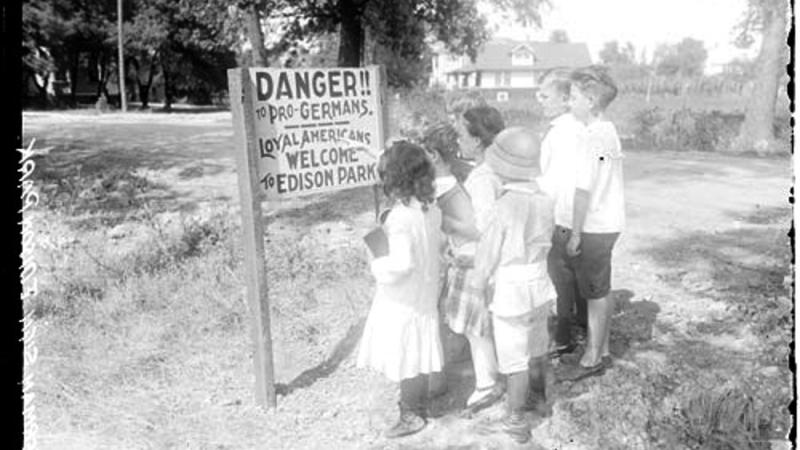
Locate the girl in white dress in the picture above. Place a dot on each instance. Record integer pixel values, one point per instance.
(401, 335)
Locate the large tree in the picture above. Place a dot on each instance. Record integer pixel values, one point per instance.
(61, 36)
(454, 22)
(395, 33)
(612, 54)
(769, 18)
(687, 58)
(188, 42)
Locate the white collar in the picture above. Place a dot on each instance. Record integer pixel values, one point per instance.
(444, 183)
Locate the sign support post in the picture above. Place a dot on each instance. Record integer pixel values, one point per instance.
(241, 99)
(298, 132)
(383, 111)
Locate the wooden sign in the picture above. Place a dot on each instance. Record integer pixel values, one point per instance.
(297, 132)
(316, 130)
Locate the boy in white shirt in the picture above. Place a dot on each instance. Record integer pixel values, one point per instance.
(564, 142)
(599, 211)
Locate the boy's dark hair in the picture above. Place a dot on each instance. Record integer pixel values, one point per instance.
(406, 172)
(484, 122)
(441, 138)
(464, 102)
(558, 77)
(595, 82)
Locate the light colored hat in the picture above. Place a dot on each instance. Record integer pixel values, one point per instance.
(514, 154)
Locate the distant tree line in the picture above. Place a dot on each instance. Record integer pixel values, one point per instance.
(185, 46)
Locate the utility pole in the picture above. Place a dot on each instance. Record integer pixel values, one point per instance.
(122, 99)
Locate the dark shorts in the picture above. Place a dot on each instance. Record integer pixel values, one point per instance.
(592, 267)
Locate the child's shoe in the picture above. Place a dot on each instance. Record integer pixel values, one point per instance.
(410, 422)
(517, 427)
(483, 398)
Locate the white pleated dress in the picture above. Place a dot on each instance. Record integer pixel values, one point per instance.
(401, 335)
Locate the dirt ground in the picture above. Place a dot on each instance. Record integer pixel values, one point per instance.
(706, 238)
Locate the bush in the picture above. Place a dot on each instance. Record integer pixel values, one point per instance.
(724, 420)
(412, 110)
(685, 129)
(81, 274)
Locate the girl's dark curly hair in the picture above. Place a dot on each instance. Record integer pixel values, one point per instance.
(484, 122)
(406, 172)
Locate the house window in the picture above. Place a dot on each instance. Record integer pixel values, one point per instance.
(502, 96)
(506, 78)
(498, 78)
(522, 57)
(465, 80)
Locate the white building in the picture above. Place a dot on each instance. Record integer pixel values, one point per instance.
(506, 67)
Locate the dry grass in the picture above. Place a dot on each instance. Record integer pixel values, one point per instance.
(726, 419)
(144, 334)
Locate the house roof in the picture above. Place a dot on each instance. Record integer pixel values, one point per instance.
(496, 55)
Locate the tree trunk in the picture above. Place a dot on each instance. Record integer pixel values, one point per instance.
(144, 89)
(167, 88)
(351, 33)
(42, 88)
(756, 133)
(74, 68)
(258, 51)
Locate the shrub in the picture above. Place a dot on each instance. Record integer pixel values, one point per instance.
(84, 272)
(107, 194)
(645, 122)
(685, 129)
(724, 420)
(412, 110)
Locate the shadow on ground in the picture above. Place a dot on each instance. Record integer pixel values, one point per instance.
(748, 268)
(340, 352)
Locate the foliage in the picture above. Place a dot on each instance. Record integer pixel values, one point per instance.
(559, 36)
(192, 43)
(724, 420)
(412, 110)
(612, 54)
(396, 31)
(755, 18)
(54, 32)
(685, 129)
(769, 18)
(686, 58)
(527, 12)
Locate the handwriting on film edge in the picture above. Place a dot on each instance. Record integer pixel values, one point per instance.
(30, 199)
(30, 351)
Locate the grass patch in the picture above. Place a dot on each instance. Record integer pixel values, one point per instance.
(725, 419)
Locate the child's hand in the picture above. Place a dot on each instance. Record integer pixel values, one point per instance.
(573, 245)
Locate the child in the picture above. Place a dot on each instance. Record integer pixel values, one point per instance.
(513, 251)
(465, 311)
(599, 211)
(565, 140)
(441, 143)
(401, 335)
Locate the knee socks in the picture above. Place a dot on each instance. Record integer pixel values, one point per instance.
(414, 393)
(484, 361)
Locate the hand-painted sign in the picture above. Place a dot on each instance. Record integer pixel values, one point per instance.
(317, 130)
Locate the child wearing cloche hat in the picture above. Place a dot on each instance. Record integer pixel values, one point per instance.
(512, 254)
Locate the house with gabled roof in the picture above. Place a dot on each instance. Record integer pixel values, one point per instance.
(506, 68)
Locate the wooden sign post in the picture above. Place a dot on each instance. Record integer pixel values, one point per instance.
(298, 132)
